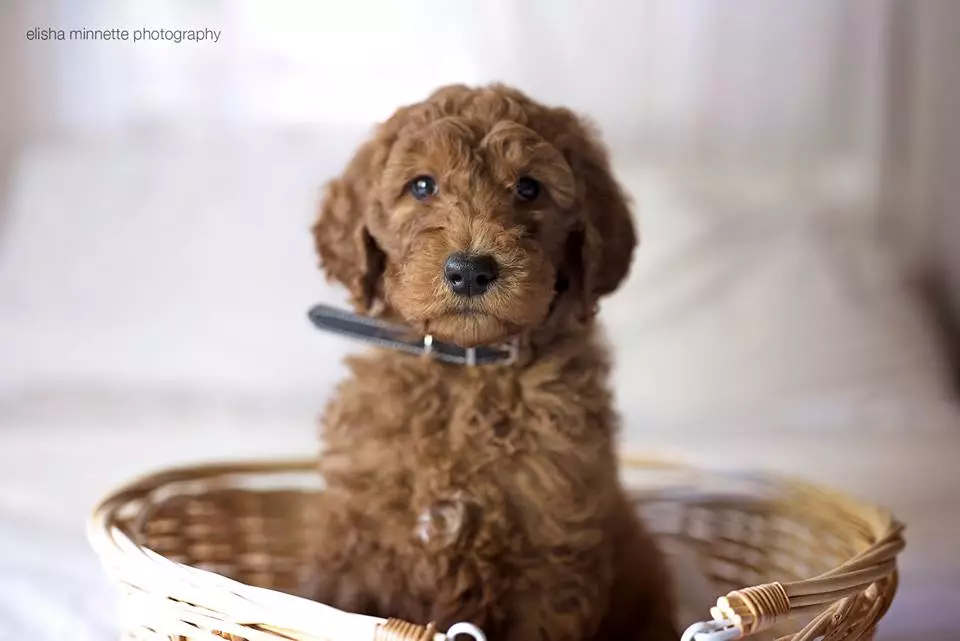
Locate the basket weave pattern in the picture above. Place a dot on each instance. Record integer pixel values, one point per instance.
(218, 552)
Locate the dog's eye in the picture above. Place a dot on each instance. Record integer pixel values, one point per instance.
(422, 187)
(527, 188)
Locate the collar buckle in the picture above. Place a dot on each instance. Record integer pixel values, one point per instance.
(468, 357)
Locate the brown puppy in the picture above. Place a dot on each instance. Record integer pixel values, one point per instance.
(486, 494)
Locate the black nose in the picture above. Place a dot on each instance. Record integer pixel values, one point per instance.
(469, 274)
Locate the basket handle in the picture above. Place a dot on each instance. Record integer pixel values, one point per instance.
(747, 611)
(399, 630)
(742, 613)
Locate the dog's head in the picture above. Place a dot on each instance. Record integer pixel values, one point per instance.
(476, 215)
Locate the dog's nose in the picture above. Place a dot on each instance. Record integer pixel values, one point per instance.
(469, 274)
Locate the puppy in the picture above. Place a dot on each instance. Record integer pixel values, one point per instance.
(486, 494)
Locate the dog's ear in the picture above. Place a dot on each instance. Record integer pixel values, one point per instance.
(600, 248)
(347, 251)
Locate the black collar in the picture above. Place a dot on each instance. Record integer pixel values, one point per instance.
(399, 337)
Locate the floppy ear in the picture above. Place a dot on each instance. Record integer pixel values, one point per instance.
(600, 248)
(347, 251)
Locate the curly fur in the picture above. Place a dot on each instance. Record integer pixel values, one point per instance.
(485, 494)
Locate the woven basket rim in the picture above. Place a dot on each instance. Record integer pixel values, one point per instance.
(269, 615)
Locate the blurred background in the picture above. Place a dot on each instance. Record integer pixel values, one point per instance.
(796, 170)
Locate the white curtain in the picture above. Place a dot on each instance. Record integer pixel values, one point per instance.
(212, 151)
(747, 81)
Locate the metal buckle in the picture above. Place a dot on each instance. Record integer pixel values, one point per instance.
(465, 628)
(428, 344)
(470, 353)
(712, 631)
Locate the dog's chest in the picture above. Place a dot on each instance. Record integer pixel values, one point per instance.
(445, 449)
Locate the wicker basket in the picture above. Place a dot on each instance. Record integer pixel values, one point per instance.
(820, 564)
